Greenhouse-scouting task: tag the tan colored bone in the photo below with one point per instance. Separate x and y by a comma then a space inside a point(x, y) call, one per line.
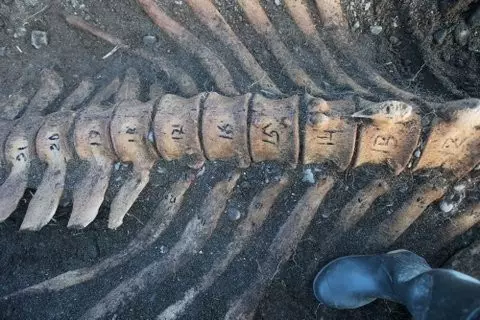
point(329, 134)
point(53, 148)
point(5, 128)
point(92, 143)
point(396, 224)
point(176, 127)
point(19, 152)
point(274, 130)
point(391, 136)
point(224, 128)
point(129, 130)
point(454, 144)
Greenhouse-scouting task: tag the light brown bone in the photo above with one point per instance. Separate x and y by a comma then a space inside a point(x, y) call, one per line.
point(263, 26)
point(20, 143)
point(300, 13)
point(19, 152)
point(224, 128)
point(280, 250)
point(394, 225)
point(331, 13)
point(52, 147)
point(129, 130)
point(176, 128)
point(329, 134)
point(454, 144)
point(257, 213)
point(210, 16)
point(274, 130)
point(198, 230)
point(92, 143)
point(391, 136)
point(192, 45)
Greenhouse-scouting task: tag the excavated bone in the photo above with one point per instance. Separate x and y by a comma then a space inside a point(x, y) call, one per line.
point(246, 129)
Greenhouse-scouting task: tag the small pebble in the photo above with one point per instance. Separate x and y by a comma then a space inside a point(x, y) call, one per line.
point(163, 249)
point(440, 36)
point(308, 176)
point(367, 6)
point(376, 30)
point(417, 153)
point(394, 40)
point(446, 206)
point(461, 34)
point(234, 214)
point(3, 51)
point(20, 33)
point(149, 40)
point(39, 39)
point(278, 2)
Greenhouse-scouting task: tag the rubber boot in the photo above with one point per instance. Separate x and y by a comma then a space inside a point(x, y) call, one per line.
point(400, 276)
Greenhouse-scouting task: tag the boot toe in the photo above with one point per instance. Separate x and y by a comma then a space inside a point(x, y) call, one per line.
point(347, 283)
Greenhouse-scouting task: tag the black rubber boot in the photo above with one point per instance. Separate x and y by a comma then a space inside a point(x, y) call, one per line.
point(401, 276)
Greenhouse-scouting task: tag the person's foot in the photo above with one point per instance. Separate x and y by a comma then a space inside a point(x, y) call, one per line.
point(353, 281)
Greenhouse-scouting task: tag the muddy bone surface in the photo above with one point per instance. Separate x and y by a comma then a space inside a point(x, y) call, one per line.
point(202, 159)
point(210, 127)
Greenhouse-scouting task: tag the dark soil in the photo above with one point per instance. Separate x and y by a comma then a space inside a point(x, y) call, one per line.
point(410, 51)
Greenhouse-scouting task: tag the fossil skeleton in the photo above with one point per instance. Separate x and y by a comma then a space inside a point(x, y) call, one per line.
point(300, 129)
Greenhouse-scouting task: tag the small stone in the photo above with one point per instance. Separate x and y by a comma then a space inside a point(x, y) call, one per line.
point(20, 33)
point(376, 30)
point(461, 34)
point(440, 36)
point(308, 176)
point(88, 17)
point(39, 39)
point(163, 249)
point(278, 2)
point(234, 214)
point(3, 51)
point(149, 40)
point(417, 153)
point(446, 206)
point(367, 6)
point(394, 40)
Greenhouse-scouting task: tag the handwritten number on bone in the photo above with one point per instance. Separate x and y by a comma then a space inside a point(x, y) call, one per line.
point(226, 131)
point(274, 136)
point(131, 131)
point(54, 146)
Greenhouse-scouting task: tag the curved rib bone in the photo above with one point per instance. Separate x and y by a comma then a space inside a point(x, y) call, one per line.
point(210, 16)
point(258, 211)
point(282, 247)
point(191, 44)
point(258, 18)
point(161, 218)
point(196, 233)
